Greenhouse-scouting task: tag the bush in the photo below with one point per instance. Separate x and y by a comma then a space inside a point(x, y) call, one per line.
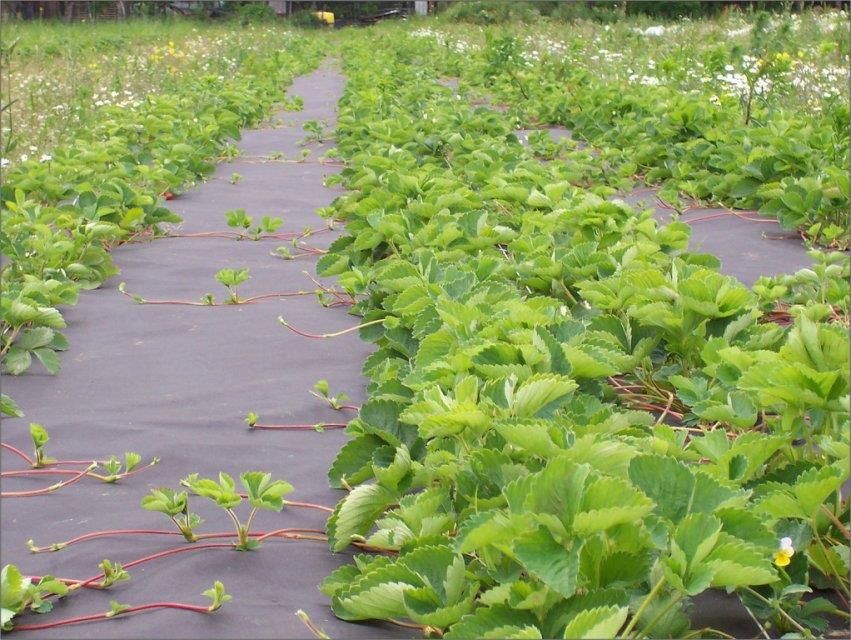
point(492, 12)
point(255, 12)
point(605, 12)
point(673, 9)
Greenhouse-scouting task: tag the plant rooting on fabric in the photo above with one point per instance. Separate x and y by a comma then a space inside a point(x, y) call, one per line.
point(175, 506)
point(325, 293)
point(263, 494)
point(297, 249)
point(322, 391)
point(231, 279)
point(216, 594)
point(22, 594)
point(315, 130)
point(110, 470)
point(266, 228)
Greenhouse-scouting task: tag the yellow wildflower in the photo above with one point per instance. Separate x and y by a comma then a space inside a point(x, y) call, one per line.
point(783, 556)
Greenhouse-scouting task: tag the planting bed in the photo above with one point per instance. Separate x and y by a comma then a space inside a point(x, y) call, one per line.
point(594, 349)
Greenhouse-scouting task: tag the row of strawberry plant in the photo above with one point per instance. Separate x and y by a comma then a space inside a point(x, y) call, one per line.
point(61, 217)
point(787, 163)
point(574, 425)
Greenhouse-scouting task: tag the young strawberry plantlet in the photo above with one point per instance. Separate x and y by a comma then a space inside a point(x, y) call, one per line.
point(235, 178)
point(175, 506)
point(209, 300)
point(111, 572)
point(20, 594)
point(33, 593)
point(322, 391)
point(315, 131)
point(282, 252)
point(323, 291)
point(252, 421)
point(267, 227)
point(113, 468)
point(216, 594)
point(231, 279)
point(263, 494)
point(285, 253)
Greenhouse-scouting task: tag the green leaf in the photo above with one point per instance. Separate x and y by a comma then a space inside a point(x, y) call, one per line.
point(392, 474)
point(489, 528)
point(378, 593)
point(381, 418)
point(39, 435)
point(539, 393)
point(353, 463)
point(528, 435)
point(677, 491)
point(35, 338)
point(9, 407)
point(735, 563)
point(232, 277)
point(424, 606)
point(600, 622)
point(112, 573)
point(321, 387)
point(552, 563)
point(263, 492)
point(17, 361)
point(131, 460)
point(339, 579)
point(538, 200)
point(356, 513)
point(609, 502)
point(217, 595)
point(14, 588)
point(694, 538)
point(6, 616)
point(48, 358)
point(497, 621)
point(665, 481)
point(166, 500)
point(223, 493)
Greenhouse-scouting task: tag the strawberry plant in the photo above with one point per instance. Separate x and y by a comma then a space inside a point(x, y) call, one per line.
point(574, 425)
point(723, 123)
point(267, 226)
point(315, 130)
point(263, 494)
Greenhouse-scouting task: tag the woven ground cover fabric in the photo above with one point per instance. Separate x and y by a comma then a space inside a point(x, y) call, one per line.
point(176, 382)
